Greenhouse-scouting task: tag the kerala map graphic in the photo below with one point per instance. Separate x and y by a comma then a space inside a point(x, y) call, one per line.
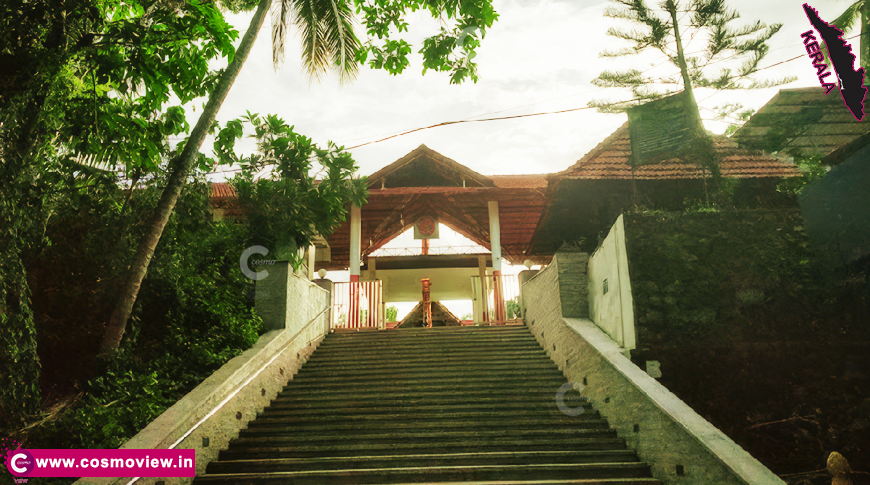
point(851, 80)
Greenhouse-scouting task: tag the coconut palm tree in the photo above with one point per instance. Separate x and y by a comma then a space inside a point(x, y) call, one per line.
point(858, 11)
point(326, 27)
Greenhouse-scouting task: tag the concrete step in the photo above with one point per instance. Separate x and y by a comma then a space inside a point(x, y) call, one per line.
point(424, 360)
point(381, 355)
point(379, 414)
point(475, 374)
point(253, 438)
point(355, 393)
point(392, 391)
point(446, 369)
point(464, 405)
point(387, 383)
point(426, 403)
point(236, 452)
point(427, 474)
point(266, 426)
point(448, 459)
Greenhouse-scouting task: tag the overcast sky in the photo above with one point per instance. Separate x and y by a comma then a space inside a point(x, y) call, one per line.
point(539, 56)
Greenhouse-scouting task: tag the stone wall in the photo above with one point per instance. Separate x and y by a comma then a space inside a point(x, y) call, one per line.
point(572, 283)
point(681, 447)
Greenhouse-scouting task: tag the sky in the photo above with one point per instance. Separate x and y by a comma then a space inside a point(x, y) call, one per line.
point(540, 56)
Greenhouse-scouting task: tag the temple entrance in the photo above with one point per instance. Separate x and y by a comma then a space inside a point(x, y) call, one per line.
point(420, 194)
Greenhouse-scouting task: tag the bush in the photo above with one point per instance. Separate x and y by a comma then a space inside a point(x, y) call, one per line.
point(192, 315)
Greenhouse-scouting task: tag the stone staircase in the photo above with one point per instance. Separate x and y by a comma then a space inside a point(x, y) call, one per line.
point(441, 405)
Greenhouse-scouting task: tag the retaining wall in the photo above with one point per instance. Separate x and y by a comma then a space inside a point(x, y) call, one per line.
point(681, 446)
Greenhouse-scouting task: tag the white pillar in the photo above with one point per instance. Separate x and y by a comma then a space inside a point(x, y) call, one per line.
point(355, 231)
point(494, 236)
point(495, 244)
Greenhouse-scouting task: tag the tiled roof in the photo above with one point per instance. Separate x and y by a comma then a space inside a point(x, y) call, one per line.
point(220, 190)
point(530, 181)
point(610, 160)
point(835, 128)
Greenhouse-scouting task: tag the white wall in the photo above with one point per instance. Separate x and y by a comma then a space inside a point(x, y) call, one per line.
point(446, 283)
point(613, 311)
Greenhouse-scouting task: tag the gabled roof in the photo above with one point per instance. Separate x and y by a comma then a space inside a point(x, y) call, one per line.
point(222, 190)
point(425, 157)
point(806, 121)
point(610, 160)
point(531, 181)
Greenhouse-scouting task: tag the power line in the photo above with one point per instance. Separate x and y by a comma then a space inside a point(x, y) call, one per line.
point(447, 123)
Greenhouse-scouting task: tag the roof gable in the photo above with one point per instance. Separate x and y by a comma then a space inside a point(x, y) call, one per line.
point(424, 167)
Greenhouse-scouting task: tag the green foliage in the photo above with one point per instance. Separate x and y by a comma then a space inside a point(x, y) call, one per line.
point(697, 275)
point(451, 50)
point(708, 19)
point(811, 169)
point(91, 78)
point(290, 208)
point(513, 308)
point(18, 356)
point(392, 313)
point(193, 313)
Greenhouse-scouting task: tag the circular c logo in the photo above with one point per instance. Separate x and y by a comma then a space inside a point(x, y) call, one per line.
point(560, 399)
point(243, 262)
point(20, 463)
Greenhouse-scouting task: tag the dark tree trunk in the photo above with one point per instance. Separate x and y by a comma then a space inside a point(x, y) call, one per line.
point(179, 168)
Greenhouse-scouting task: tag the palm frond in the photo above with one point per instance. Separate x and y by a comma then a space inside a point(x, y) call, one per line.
point(326, 29)
point(315, 57)
point(342, 44)
point(848, 18)
point(280, 19)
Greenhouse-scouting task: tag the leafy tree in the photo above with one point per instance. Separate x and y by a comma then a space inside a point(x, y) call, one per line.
point(328, 38)
point(709, 20)
point(288, 208)
point(392, 313)
point(858, 12)
point(59, 62)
